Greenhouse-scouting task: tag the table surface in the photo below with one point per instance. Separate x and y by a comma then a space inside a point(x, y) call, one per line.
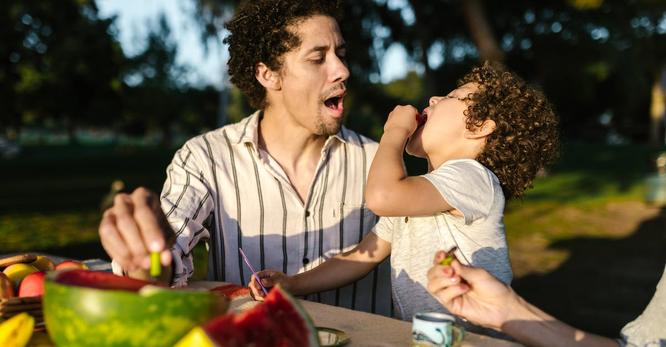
point(364, 329)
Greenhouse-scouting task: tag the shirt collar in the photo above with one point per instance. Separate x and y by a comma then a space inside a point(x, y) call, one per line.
point(250, 132)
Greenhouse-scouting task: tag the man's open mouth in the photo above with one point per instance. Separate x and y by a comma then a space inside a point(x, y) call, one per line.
point(334, 103)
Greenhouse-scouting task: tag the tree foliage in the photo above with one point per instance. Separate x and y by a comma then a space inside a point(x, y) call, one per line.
point(592, 57)
point(59, 63)
point(597, 60)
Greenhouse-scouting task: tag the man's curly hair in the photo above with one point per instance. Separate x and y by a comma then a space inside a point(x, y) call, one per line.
point(259, 33)
point(526, 136)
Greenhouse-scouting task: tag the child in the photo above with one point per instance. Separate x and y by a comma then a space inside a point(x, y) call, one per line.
point(484, 141)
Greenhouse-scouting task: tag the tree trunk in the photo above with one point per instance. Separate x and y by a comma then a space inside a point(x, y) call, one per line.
point(481, 32)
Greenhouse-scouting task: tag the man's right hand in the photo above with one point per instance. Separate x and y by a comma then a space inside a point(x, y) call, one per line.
point(132, 228)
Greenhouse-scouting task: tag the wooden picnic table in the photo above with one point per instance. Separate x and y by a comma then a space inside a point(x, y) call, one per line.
point(364, 329)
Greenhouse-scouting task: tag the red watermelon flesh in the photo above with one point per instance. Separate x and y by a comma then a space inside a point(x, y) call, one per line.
point(232, 291)
point(102, 280)
point(278, 321)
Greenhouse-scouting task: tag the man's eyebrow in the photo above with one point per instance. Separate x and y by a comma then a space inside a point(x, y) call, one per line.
point(325, 48)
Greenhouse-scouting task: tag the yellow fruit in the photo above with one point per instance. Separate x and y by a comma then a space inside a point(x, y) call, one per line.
point(17, 272)
point(16, 331)
point(197, 337)
point(43, 263)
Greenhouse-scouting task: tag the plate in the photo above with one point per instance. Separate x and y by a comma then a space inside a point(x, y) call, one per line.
point(329, 337)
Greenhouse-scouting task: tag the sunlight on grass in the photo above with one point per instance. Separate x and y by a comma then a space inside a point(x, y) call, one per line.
point(30, 232)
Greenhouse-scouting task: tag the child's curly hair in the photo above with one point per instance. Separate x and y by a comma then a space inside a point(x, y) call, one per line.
point(526, 136)
point(259, 32)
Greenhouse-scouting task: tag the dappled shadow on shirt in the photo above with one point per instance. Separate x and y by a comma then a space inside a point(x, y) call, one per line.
point(605, 282)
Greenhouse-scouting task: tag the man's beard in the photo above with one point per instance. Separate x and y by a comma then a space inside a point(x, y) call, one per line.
point(332, 128)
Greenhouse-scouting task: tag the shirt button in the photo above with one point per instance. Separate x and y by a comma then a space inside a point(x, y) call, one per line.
point(307, 213)
point(306, 261)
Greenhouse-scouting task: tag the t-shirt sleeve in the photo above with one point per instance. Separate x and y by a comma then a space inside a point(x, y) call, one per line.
point(384, 229)
point(465, 185)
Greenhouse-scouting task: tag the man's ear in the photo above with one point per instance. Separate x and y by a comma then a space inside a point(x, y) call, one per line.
point(485, 129)
point(268, 78)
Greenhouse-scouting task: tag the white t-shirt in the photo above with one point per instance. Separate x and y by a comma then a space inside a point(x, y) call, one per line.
point(649, 329)
point(473, 190)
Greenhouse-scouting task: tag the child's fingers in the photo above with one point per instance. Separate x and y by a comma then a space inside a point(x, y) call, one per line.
point(270, 278)
point(439, 256)
point(255, 289)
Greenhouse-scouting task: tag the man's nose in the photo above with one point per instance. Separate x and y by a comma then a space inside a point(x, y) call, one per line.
point(340, 72)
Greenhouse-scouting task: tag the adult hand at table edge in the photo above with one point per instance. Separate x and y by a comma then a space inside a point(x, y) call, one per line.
point(474, 294)
point(132, 228)
point(471, 293)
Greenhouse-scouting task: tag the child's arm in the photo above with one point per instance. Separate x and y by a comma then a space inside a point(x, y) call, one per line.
point(389, 191)
point(336, 272)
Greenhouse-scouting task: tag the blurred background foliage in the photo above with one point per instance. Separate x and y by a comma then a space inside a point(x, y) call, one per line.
point(600, 62)
point(79, 113)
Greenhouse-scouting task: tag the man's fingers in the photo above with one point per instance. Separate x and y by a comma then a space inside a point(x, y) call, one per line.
point(112, 240)
point(128, 229)
point(149, 218)
point(166, 257)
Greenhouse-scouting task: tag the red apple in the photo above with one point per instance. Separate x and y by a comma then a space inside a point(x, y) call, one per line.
point(71, 264)
point(6, 287)
point(32, 285)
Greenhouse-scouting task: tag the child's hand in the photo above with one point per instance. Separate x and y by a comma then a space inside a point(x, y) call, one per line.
point(269, 278)
point(402, 118)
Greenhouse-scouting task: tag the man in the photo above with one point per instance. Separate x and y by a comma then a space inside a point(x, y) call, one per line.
point(285, 184)
point(477, 296)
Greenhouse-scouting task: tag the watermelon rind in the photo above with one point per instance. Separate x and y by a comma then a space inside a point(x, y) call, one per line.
point(154, 316)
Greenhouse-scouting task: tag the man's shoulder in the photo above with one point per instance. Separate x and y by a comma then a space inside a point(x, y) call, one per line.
point(354, 139)
point(225, 135)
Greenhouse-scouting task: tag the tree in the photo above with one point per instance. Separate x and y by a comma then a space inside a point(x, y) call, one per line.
point(592, 57)
point(158, 81)
point(60, 63)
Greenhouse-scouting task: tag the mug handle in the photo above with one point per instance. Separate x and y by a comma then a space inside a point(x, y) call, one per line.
point(458, 334)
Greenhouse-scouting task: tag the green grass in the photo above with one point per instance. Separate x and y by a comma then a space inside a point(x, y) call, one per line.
point(51, 195)
point(560, 233)
point(585, 178)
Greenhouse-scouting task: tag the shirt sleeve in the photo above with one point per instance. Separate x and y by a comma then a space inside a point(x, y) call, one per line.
point(187, 204)
point(467, 186)
point(384, 229)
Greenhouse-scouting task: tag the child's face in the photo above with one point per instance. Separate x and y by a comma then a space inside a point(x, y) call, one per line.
point(444, 131)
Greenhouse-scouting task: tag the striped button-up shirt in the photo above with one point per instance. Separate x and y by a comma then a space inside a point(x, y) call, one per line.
point(221, 187)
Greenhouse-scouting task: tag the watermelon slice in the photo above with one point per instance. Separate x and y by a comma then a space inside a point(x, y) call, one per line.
point(232, 291)
point(90, 308)
point(278, 321)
